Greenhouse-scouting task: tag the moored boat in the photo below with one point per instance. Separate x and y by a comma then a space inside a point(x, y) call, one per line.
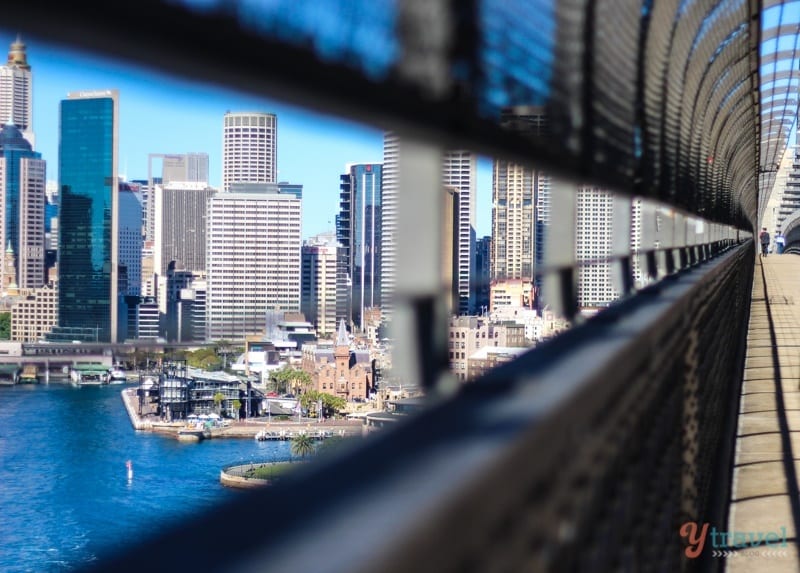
point(117, 376)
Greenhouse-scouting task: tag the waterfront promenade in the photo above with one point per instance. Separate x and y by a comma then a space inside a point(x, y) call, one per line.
point(765, 497)
point(148, 420)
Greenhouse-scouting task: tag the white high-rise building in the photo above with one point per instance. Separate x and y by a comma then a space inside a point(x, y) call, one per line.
point(249, 148)
point(389, 189)
point(459, 170)
point(16, 92)
point(191, 167)
point(324, 278)
point(593, 242)
point(252, 259)
point(180, 225)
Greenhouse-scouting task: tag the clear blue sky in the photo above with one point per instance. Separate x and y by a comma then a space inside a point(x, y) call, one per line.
point(160, 114)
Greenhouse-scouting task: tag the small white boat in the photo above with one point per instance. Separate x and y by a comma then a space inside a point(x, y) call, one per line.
point(117, 376)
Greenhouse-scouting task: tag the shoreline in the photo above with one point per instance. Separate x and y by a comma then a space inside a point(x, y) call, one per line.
point(248, 428)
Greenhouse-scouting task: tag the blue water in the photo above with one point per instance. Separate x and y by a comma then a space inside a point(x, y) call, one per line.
point(65, 497)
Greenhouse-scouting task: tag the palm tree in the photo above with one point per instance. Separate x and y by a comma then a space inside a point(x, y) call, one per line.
point(219, 398)
point(302, 445)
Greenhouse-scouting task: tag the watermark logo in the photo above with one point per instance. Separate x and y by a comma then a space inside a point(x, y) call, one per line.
point(727, 543)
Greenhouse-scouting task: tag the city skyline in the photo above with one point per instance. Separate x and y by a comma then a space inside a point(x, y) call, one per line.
point(162, 114)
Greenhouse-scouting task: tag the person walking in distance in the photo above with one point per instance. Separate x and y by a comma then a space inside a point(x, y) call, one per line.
point(764, 238)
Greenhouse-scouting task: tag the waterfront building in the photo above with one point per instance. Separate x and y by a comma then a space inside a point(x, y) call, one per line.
point(339, 370)
point(22, 202)
point(252, 261)
point(130, 239)
point(249, 148)
point(324, 276)
point(34, 313)
point(359, 229)
point(16, 91)
point(89, 218)
point(180, 210)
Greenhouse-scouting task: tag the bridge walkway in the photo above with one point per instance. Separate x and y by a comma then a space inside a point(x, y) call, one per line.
point(764, 493)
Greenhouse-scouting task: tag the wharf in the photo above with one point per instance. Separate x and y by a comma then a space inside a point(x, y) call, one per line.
point(149, 420)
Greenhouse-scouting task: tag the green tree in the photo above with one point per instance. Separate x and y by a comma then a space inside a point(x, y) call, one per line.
point(205, 359)
point(236, 406)
point(330, 403)
point(5, 325)
point(289, 379)
point(302, 445)
point(219, 398)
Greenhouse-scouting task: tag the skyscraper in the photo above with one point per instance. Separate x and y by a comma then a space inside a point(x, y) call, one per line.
point(459, 170)
point(180, 225)
point(16, 93)
point(252, 260)
point(89, 218)
point(174, 167)
point(520, 205)
point(389, 190)
point(249, 148)
point(130, 239)
point(22, 201)
point(515, 204)
point(594, 215)
point(359, 231)
point(323, 279)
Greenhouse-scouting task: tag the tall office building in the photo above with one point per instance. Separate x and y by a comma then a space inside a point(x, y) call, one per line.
point(482, 277)
point(252, 261)
point(389, 190)
point(517, 205)
point(459, 172)
point(191, 167)
point(594, 230)
point(16, 92)
point(130, 239)
point(324, 277)
point(89, 218)
point(359, 231)
point(249, 148)
point(22, 203)
point(520, 205)
point(180, 225)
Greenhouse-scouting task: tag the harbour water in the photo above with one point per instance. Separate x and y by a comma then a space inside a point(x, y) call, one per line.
point(65, 496)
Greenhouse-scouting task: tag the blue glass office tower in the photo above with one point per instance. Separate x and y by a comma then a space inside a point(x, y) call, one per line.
point(359, 228)
point(88, 234)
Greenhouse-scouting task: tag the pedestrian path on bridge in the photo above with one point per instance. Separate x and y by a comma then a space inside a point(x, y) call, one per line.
point(764, 491)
